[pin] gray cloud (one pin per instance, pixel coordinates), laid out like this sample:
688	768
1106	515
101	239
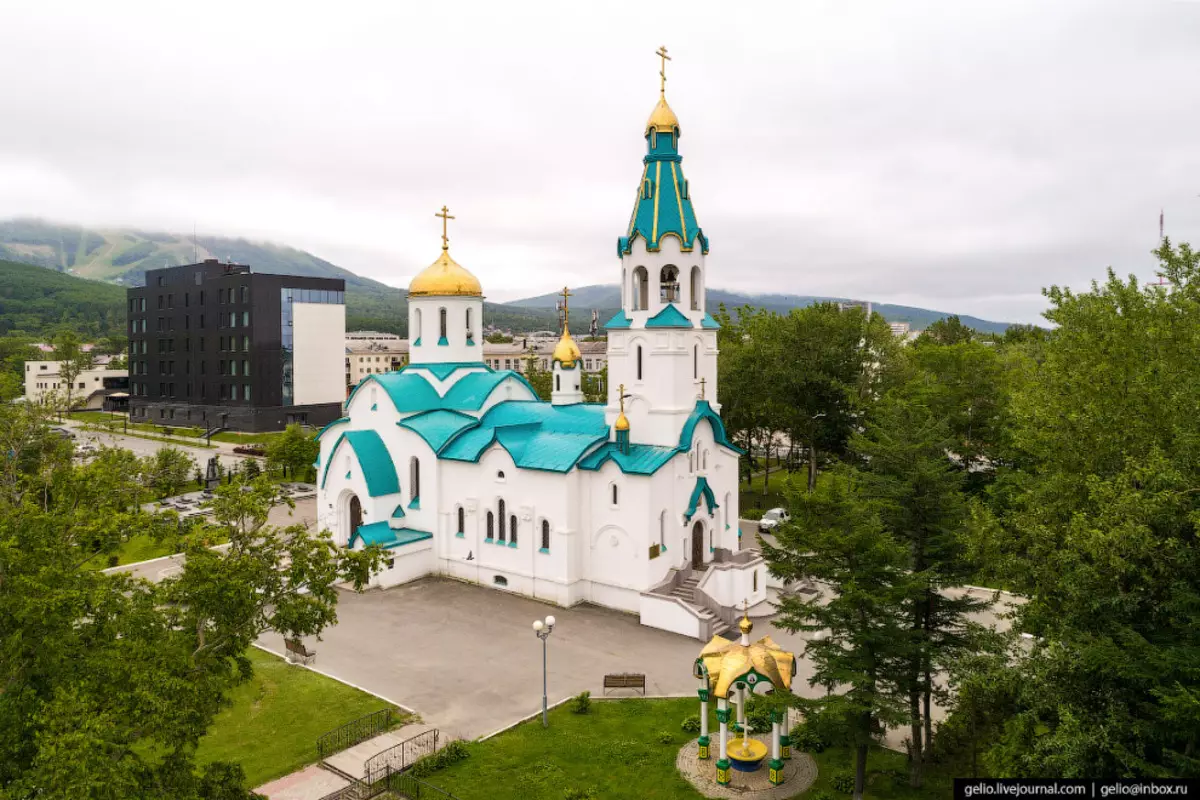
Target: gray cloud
954	155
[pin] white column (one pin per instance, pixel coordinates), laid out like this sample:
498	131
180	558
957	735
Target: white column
703	718
775	750
723	705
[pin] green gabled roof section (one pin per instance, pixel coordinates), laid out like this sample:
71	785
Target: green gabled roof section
536	435
669	317
618	322
411	391
441	371
373	458
704	411
398	512
439	426
642	459
702	490
709	323
664	203
338	421
378	533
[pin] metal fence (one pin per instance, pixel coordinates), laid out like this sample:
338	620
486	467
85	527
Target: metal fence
401	756
397	783
354	732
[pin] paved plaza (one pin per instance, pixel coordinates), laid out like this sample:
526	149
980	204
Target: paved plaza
466	659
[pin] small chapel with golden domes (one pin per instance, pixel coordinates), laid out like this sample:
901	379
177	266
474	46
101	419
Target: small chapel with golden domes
457	469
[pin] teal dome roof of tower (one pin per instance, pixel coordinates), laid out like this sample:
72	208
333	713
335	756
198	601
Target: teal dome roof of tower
664	199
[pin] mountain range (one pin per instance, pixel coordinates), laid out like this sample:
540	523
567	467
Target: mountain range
121	256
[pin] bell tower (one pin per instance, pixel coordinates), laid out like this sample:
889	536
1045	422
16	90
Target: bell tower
445	310
663	343
567	386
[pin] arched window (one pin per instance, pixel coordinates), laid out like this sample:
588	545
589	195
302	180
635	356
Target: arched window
639	362
558	383
491	526
624	286
442	323
470	335
695	289
500	475
662	528
462	521
641	289
512	529
546	535
414	477
614	494
503	532
416	333
668	284
704	460
691	461
696	361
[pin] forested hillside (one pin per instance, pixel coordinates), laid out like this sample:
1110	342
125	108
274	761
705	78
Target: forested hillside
36	302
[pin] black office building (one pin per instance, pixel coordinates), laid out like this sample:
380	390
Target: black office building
215	345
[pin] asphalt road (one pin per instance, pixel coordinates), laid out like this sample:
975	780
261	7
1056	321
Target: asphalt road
148	447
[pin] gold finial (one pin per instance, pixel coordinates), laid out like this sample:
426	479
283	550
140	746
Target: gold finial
662	72
565	306
446	217
702	381
621	397
745	626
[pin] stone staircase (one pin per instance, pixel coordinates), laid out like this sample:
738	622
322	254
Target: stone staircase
686	592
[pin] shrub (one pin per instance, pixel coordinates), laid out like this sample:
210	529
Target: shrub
580	794
821	794
666	737
843	782
752	513
114	560
454	751
581	703
691	724
808	738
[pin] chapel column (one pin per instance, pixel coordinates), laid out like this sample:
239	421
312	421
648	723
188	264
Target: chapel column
723	721
776	763
703	750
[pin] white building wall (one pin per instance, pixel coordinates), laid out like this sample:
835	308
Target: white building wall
424	330
319	353
42	378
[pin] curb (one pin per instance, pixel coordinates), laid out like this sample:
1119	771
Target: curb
388	700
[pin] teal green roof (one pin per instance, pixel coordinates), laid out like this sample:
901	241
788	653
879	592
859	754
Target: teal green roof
330	425
664	203
410	390
702	489
536	435
669	317
642	459
443	370
373	458
619	321
439	426
704	411
378	533
710	323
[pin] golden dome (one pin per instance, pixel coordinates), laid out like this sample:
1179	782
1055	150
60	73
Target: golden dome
445	277
726	663
566	352
662	119
622	423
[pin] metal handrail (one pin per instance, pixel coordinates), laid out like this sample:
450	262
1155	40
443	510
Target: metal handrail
353	732
400	757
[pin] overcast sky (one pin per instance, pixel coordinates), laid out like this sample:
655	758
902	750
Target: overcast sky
953	155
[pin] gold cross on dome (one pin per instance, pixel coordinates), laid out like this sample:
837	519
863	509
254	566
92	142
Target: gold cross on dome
566	311
662	73
621	397
446	217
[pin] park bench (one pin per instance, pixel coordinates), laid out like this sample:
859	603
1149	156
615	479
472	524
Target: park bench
625	680
298	652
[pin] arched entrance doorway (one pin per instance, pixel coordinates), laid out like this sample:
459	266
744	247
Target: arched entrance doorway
356	518
698	545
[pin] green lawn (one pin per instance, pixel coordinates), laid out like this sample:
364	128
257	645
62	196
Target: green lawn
276	717
616	751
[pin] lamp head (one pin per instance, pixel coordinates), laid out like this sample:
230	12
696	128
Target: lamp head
550	622
537	626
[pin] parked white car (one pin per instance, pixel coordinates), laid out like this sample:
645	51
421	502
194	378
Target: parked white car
772	519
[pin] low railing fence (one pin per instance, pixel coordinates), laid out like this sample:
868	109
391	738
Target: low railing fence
398	783
401	756
354	732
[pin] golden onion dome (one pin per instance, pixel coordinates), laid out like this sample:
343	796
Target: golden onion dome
725	664
445	277
662	119
566	352
622	423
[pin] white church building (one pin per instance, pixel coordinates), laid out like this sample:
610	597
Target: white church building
459	470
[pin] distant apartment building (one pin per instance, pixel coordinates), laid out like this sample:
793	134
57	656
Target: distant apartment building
219	346
900	329
98	388
368	354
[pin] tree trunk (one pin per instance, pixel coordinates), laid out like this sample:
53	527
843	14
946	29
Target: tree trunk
860	770
766	468
812	468
916	749
928	706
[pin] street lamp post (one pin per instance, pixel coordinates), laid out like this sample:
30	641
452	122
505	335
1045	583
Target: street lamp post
543	630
